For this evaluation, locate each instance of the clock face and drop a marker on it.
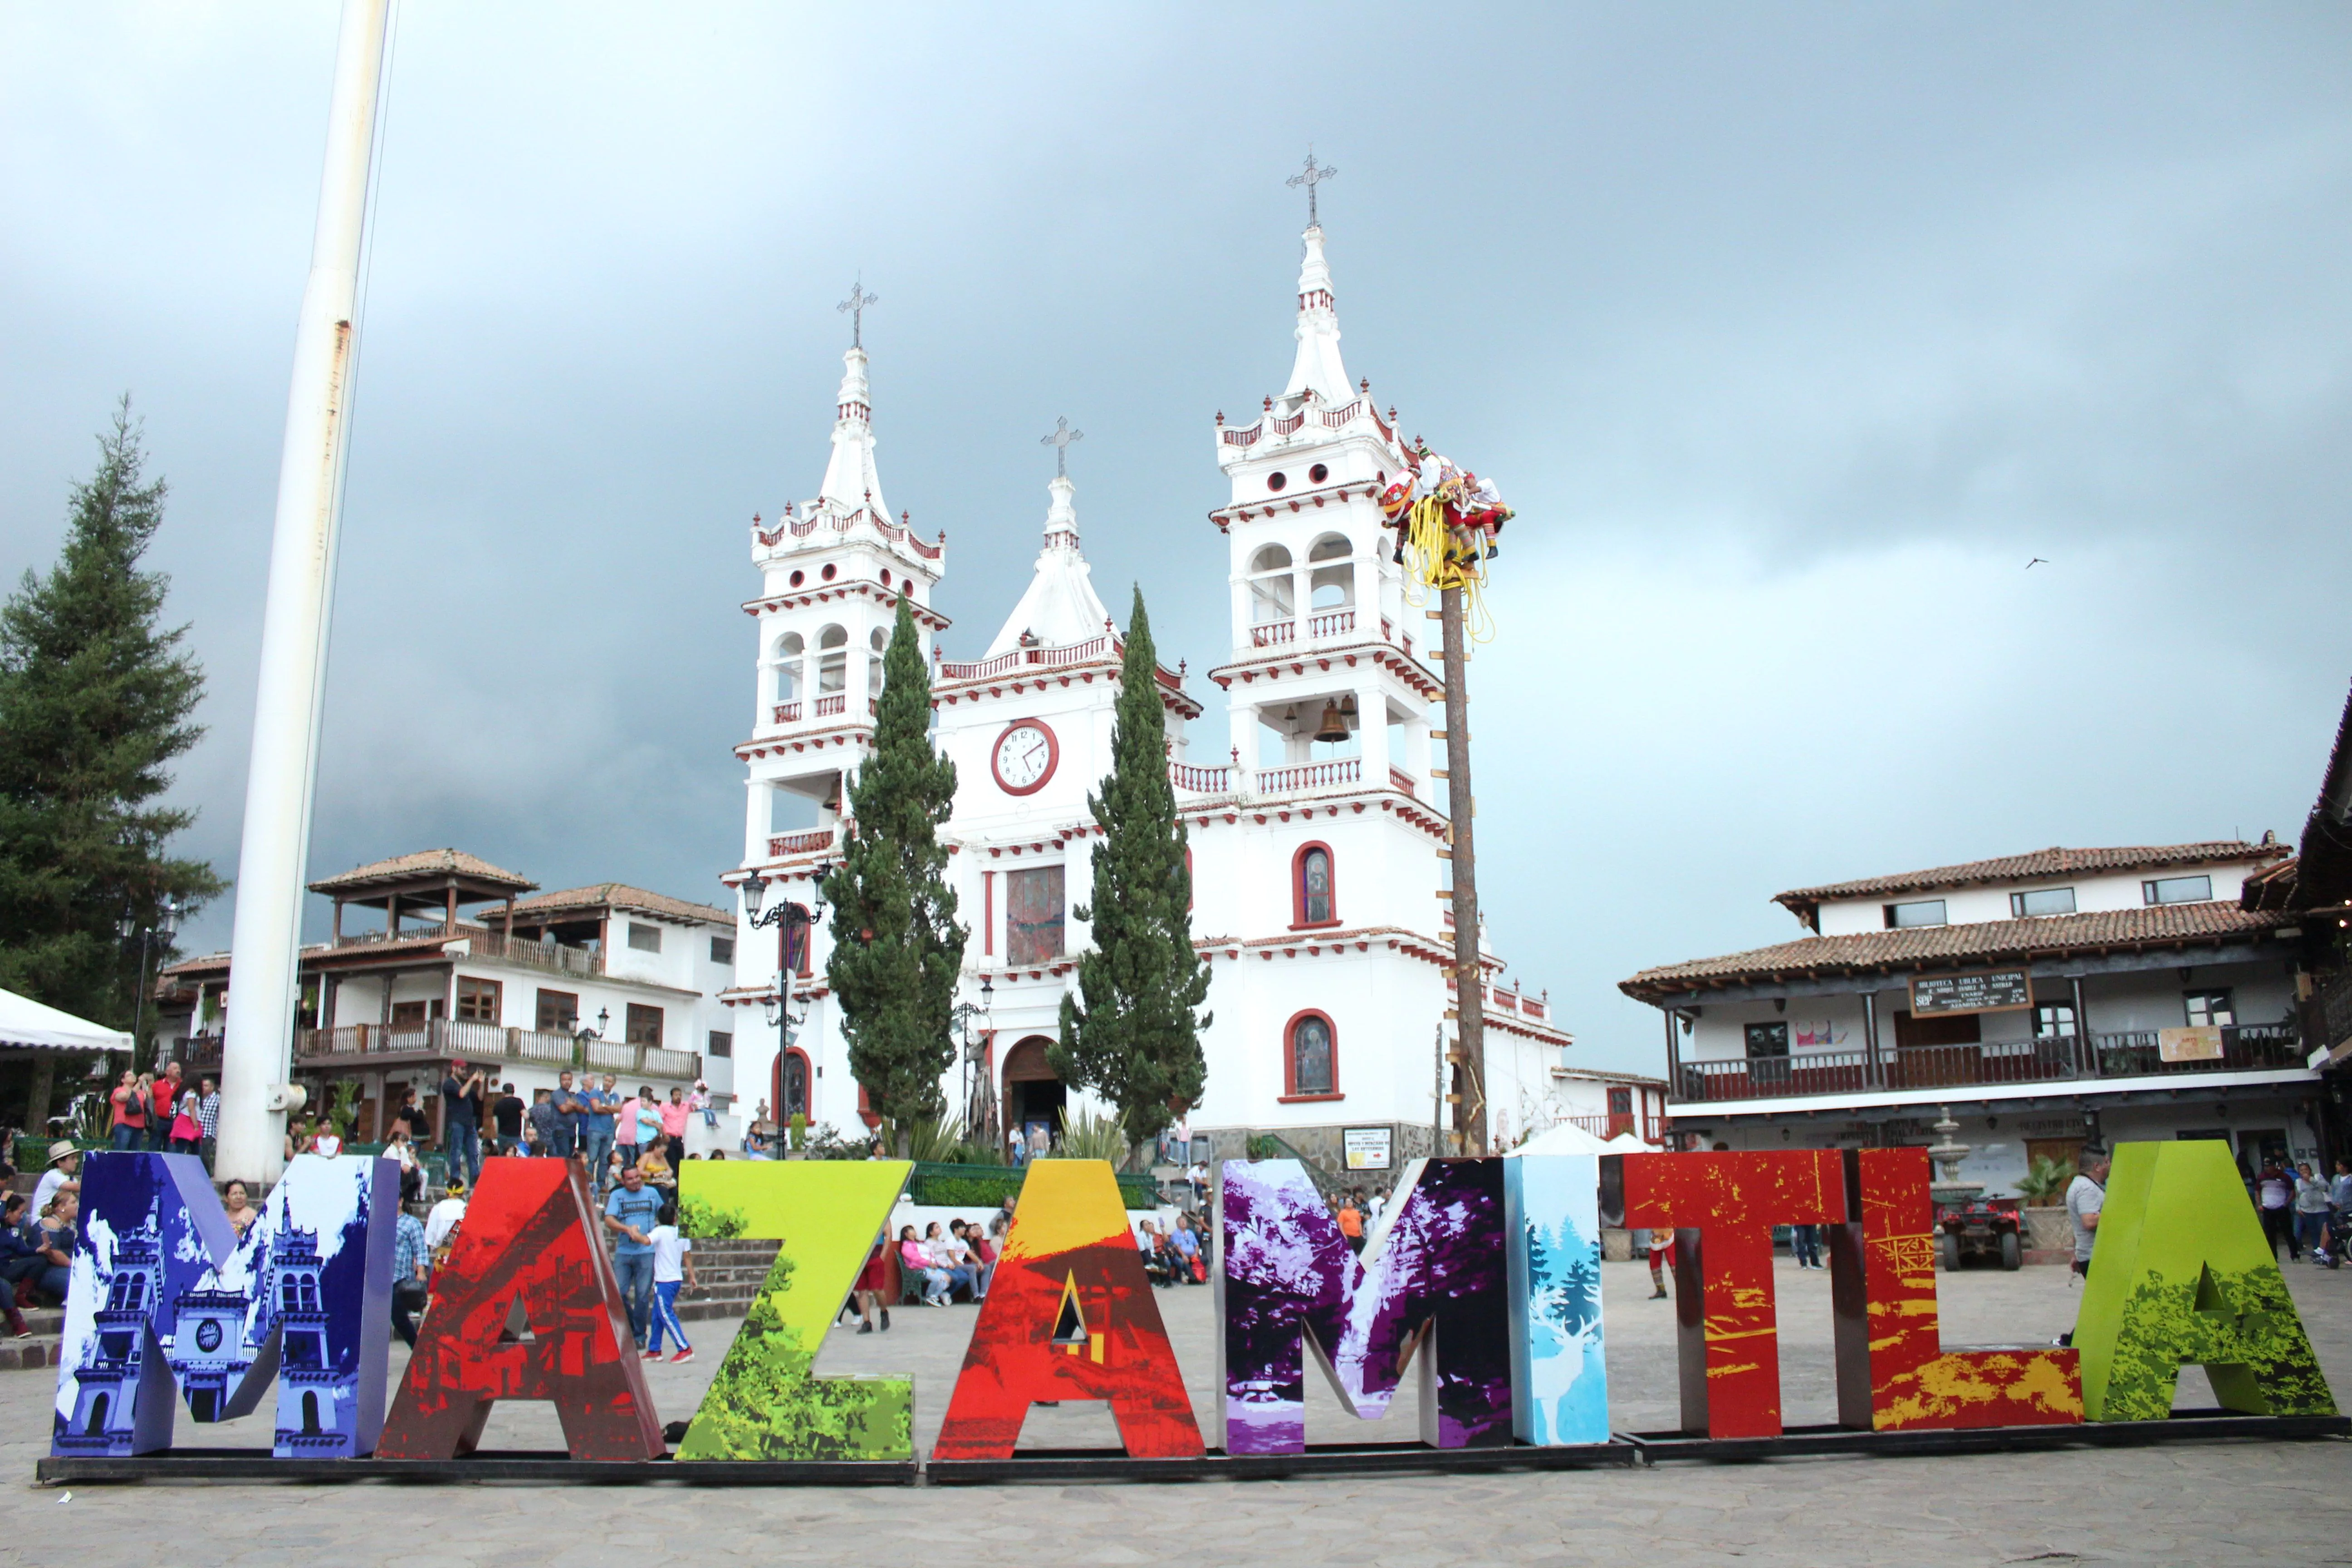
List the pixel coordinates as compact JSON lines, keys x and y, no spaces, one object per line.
{"x":1024,"y":757}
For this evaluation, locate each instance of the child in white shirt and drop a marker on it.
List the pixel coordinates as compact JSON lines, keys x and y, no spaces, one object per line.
{"x":673,"y":1266}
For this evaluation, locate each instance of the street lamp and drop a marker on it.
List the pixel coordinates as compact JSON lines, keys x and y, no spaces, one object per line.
{"x":974,"y":1108}
{"x":166,"y":926}
{"x":789,"y":918}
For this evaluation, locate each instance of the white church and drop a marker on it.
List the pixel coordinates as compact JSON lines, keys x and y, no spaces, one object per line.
{"x":1317,"y":834}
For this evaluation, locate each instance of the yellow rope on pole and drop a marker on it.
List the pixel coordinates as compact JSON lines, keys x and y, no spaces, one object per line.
{"x":1437,"y":558}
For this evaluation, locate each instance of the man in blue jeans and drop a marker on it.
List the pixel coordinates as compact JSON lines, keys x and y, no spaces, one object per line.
{"x":597,"y":1138}
{"x":631,"y":1213}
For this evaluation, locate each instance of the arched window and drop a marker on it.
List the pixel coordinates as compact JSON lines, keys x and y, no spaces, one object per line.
{"x":832,"y":660}
{"x":1331,"y":578}
{"x":881,"y":644}
{"x":788,"y":667}
{"x":1272,"y":595}
{"x":1314,"y":890}
{"x":1310,"y":1059}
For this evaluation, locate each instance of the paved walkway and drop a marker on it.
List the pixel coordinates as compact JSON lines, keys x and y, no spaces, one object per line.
{"x":2214,"y":1504}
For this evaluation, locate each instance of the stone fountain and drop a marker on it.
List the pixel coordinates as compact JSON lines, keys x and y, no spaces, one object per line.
{"x":1948,"y":1153}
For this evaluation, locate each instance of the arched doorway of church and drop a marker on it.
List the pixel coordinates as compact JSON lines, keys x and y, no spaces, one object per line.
{"x":1033,"y":1097}
{"x":788,"y":1085}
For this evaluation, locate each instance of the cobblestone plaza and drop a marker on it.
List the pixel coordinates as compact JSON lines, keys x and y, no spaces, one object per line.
{"x":2202,"y":1503}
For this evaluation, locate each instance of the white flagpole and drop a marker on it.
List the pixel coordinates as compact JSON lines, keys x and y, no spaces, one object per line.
{"x":257,"y":1049}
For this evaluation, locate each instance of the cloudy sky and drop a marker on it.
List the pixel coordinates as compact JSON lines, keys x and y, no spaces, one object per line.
{"x":1793,"y":333}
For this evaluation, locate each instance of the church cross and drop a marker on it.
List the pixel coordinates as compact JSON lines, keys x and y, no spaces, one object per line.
{"x":856,"y":307}
{"x":1311,"y":177}
{"x":1060,"y":441}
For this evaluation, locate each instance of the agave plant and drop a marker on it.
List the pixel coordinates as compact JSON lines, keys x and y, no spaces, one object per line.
{"x":1087,"y":1136}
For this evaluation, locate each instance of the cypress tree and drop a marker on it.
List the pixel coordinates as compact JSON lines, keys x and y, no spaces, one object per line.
{"x":897,"y":948}
{"x":1134,"y":1039}
{"x":95,"y":700}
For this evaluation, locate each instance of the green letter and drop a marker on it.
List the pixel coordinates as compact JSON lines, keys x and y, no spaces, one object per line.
{"x":764,"y":1404}
{"x":2182,"y":1273}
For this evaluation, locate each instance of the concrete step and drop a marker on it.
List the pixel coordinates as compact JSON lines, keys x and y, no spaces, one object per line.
{"x":36,"y":1354}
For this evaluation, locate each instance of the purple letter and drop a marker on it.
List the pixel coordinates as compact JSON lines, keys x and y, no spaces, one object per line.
{"x":1433,"y":1270}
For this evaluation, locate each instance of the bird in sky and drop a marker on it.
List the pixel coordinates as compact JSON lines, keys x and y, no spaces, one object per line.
{"x":2037,"y":561}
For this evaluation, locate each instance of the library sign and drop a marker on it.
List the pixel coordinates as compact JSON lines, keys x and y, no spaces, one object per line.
{"x":1485,"y":1272}
{"x":1984,"y":990}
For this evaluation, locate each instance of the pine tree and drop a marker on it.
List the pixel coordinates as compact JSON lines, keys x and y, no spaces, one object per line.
{"x":95,"y":700}
{"x":1134,"y":1040}
{"x":897,"y":948}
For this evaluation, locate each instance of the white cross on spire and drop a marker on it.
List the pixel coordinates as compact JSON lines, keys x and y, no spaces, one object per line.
{"x":1060,"y":441}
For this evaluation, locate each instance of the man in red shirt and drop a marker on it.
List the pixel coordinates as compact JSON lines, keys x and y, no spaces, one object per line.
{"x":164,"y":1100}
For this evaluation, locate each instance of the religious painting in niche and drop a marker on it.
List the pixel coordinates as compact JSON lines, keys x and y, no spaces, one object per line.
{"x":1033,"y":915}
{"x":796,"y":1096}
{"x":1314,"y":887}
{"x":1310,"y":1056}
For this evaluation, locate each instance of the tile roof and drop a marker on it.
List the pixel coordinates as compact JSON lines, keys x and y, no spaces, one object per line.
{"x":2035,"y":864}
{"x":1880,"y":952}
{"x":424,"y":863}
{"x":620,"y":896}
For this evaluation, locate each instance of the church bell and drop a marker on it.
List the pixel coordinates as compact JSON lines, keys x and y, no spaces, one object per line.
{"x":1334,"y":726}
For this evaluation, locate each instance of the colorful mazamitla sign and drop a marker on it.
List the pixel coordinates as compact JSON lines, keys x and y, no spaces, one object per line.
{"x":1482,"y":1279}
{"x":169,"y":1303}
{"x":765,"y":1401}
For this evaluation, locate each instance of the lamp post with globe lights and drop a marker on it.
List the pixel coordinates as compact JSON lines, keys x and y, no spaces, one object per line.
{"x":793,"y":921}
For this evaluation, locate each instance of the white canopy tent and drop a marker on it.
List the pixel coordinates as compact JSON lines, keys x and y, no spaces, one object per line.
{"x":1565,"y":1138}
{"x":25,"y":1023}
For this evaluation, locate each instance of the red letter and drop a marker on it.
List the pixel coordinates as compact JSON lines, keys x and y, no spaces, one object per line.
{"x":529,"y":1238}
{"x":1893,"y":1370}
{"x":1723,"y":1207}
{"x":1069,"y":1315}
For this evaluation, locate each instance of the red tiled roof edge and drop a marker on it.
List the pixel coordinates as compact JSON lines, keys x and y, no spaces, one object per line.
{"x":1946,"y":946}
{"x":2054,"y":861}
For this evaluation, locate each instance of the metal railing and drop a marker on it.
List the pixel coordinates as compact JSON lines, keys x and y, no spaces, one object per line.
{"x":2048,"y":1059}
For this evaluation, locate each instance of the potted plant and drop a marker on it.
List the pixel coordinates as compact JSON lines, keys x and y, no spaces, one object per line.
{"x":2043,"y":1188}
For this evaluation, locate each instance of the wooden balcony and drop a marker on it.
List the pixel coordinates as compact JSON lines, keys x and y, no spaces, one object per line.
{"x":2053,"y":1059}
{"x":358,"y":1046}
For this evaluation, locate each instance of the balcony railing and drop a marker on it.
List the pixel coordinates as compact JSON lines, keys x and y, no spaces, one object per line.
{"x":1311,"y":776}
{"x":2050,"y":1060}
{"x":810,"y":843}
{"x":1616,"y":1123}
{"x":548,"y":955}
{"x":355,"y":1044}
{"x":1272,"y":633}
{"x":1332,"y":623}
{"x":788,"y":712}
{"x":1203,"y":781}
{"x":829,"y":706}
